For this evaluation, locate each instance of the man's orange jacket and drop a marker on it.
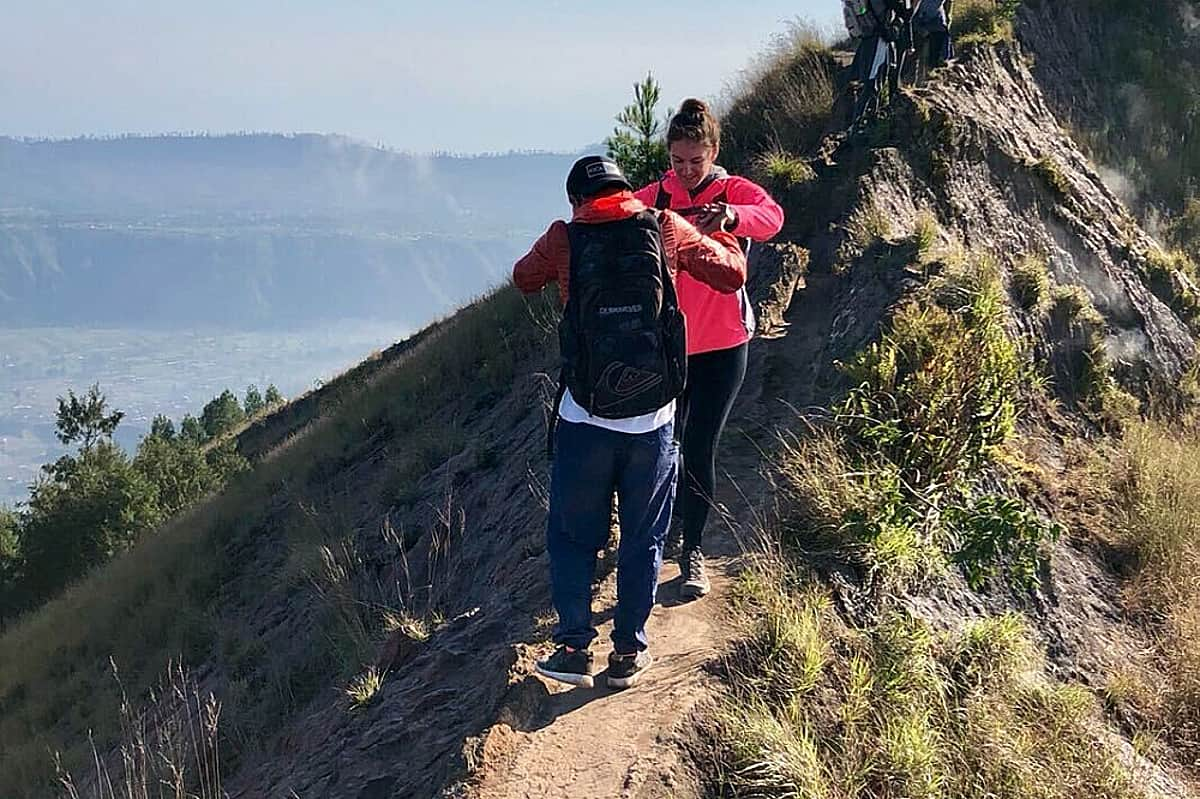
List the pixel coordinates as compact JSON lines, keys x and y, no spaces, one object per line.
{"x":716,"y":260}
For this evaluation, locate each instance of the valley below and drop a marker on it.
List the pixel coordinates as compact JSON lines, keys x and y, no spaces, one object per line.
{"x":145,"y":372}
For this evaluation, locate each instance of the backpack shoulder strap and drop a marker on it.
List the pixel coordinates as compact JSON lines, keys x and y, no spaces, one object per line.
{"x":664,"y":266}
{"x":662,"y":200}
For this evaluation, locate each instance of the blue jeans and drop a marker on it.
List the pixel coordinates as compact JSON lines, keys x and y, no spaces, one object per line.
{"x":589,"y":464}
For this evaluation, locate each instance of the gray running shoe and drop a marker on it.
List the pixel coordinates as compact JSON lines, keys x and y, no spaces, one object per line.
{"x":695,"y":580}
{"x":624,"y":671}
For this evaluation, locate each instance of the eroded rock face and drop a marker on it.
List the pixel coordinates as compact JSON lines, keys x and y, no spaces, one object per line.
{"x":1014,"y":183}
{"x":980,"y":150}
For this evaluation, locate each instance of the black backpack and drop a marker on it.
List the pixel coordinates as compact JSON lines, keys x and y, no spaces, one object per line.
{"x":622,"y":337}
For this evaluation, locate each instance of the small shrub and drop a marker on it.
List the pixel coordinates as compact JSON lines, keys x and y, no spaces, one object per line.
{"x":999,"y":533}
{"x":940,"y":389}
{"x":932,"y":402}
{"x":1173,"y":278}
{"x":1029,"y":283}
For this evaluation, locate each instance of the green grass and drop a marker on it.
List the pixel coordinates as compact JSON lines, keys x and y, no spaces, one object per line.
{"x":1083,"y":371}
{"x":897,"y":710}
{"x":1175,"y":279}
{"x":983,"y":22}
{"x":926,"y":232}
{"x":781,"y":171}
{"x":171,"y":595}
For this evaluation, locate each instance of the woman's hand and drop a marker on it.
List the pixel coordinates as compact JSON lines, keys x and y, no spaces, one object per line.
{"x":716,"y":216}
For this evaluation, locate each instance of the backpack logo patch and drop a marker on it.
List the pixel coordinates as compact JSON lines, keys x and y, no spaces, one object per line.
{"x":615,"y":309}
{"x":626,"y":381}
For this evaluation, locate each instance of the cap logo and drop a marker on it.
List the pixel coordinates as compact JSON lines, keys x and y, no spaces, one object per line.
{"x":602,"y":168}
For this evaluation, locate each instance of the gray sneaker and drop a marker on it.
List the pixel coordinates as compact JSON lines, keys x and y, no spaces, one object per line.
{"x":695,"y":580}
{"x":624,"y":671}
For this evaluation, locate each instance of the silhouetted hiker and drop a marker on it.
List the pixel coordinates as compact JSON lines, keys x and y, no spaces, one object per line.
{"x":624,"y":363}
{"x":932,"y":22}
{"x":884,"y":30}
{"x":719,"y":326}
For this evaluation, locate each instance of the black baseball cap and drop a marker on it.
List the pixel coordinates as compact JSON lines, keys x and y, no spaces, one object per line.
{"x":592,"y":173}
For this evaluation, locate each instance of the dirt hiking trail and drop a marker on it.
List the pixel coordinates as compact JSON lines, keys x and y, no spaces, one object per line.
{"x":597,"y":742}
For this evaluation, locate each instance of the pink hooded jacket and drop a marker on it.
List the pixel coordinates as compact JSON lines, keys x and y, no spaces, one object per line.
{"x":718,"y":321}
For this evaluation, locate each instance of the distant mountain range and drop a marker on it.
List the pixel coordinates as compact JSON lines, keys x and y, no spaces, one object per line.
{"x":257,"y":231}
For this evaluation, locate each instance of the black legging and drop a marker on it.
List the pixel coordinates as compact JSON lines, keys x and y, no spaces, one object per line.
{"x":713,"y":381}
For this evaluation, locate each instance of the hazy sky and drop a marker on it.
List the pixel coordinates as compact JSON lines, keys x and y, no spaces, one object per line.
{"x":430,"y":75}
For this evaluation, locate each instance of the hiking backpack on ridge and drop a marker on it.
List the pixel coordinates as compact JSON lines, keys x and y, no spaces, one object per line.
{"x":622,"y":338}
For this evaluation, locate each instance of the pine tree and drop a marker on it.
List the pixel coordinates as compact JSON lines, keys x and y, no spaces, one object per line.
{"x":222,"y":414}
{"x":637,"y":143}
{"x":162,"y":427}
{"x":254,"y":402}
{"x":83,"y":419}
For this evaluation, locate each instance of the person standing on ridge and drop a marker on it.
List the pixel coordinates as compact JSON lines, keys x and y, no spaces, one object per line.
{"x":879,"y":26}
{"x":719,"y":325}
{"x":624,"y":357}
{"x":932,"y":22}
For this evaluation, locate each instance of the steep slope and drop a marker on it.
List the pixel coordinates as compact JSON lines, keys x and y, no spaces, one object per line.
{"x":403,"y":525}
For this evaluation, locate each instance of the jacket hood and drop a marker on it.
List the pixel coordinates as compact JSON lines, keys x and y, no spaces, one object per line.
{"x":609,"y":208}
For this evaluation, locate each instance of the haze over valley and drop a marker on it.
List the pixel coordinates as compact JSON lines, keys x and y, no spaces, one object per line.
{"x":170,"y":268}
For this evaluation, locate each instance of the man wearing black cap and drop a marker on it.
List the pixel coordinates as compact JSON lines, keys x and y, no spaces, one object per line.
{"x":624,"y":363}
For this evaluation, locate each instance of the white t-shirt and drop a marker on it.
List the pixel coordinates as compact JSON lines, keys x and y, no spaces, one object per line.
{"x":570,"y":411}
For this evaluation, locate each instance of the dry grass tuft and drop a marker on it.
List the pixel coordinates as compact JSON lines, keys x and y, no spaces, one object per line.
{"x":167,"y":749}
{"x":783,"y":103}
{"x":895,"y":710}
{"x":365,"y":687}
{"x":1154,"y":497}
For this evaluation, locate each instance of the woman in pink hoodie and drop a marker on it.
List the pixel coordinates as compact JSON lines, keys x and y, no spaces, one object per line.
{"x":719,"y":326}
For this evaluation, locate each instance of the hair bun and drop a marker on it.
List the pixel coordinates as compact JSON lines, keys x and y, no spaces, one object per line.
{"x":694,"y":107}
